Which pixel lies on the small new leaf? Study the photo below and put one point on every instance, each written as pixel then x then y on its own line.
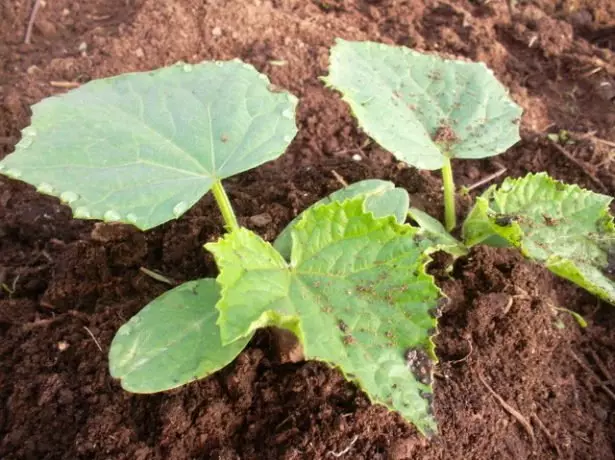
pixel 355 293
pixel 441 239
pixel 172 341
pixel 564 227
pixel 423 108
pixel 142 148
pixel 382 198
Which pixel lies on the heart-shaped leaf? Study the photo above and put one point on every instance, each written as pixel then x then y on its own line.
pixel 173 341
pixel 423 108
pixel 142 148
pixel 564 227
pixel 355 294
pixel 381 198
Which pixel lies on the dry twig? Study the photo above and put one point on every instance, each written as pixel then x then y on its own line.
pixel 346 450
pixel 547 433
pixel 579 164
pixel 602 367
pixel 591 372
pixel 27 38
pixel 93 338
pixel 339 178
pixel 508 408
pixel 487 179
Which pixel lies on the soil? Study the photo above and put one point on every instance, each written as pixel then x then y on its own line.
pixel 68 285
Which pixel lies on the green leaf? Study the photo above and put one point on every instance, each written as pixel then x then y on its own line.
pixel 381 198
pixel 564 227
pixel 142 148
pixel 435 231
pixel 355 294
pixel 172 341
pixel 423 108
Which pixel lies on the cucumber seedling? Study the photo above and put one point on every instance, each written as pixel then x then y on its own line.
pixel 347 277
pixel 427 111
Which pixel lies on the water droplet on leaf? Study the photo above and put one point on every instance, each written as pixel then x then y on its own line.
pixel 132 218
pixel 69 197
pixel 180 208
pixel 187 67
pixel 287 114
pixel 29 131
pixel 26 142
pixel 219 63
pixel 45 188
pixel 82 213
pixel 112 216
pixel 288 139
pixel 15 174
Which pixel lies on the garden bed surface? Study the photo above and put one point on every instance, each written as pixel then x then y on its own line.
pixel 68 285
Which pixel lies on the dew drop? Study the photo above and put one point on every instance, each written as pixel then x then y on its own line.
pixel 132 218
pixel 382 46
pixel 187 67
pixel 219 63
pixel 180 208
pixel 247 66
pixel 69 197
pixel 287 114
pixel 125 330
pixel 45 188
pixel 112 216
pixel 26 142
pixel 263 77
pixel 29 131
pixel 15 174
pixel 288 139
pixel 82 213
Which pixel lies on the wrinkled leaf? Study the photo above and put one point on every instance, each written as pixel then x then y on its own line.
pixel 355 294
pixel 564 227
pixel 142 148
pixel 423 108
pixel 381 197
pixel 435 231
pixel 172 341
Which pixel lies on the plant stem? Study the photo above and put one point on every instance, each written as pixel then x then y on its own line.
pixel 450 219
pixel 230 221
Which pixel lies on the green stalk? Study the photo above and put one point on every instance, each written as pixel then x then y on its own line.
pixel 230 221
pixel 450 219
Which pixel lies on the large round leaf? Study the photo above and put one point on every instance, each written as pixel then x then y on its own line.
pixel 142 148
pixel 423 108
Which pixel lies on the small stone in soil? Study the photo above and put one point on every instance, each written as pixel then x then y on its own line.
pixel 261 220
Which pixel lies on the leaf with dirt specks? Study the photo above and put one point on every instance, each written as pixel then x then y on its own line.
pixel 564 227
pixel 355 293
pixel 423 108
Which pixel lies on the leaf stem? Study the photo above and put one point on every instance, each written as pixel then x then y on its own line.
pixel 224 204
pixel 450 218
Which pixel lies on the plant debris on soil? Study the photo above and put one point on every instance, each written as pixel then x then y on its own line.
pixel 518 377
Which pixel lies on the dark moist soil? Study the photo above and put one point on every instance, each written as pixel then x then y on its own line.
pixel 68 285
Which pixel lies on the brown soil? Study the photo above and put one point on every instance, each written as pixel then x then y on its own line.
pixel 67 282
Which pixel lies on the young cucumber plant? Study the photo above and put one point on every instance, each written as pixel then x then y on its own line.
pixel 427 110
pixel 347 277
